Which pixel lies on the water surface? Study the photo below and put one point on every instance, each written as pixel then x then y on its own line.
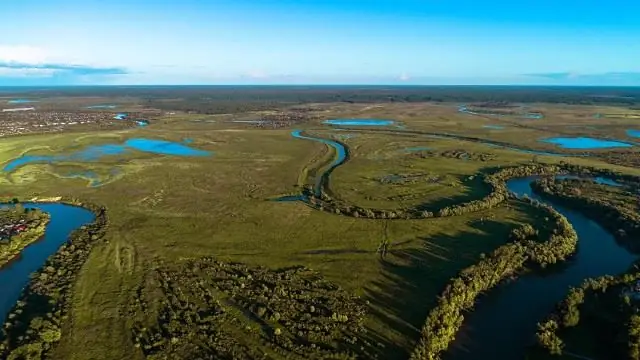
pixel 164 147
pixel 493 127
pixel 97 152
pixel 341 156
pixel 503 323
pixel 15 275
pixel 102 107
pixel 21 101
pixel 633 133
pixel 585 143
pixel 359 122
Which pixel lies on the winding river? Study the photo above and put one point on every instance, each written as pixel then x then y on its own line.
pixel 64 219
pixel 340 158
pixel 503 323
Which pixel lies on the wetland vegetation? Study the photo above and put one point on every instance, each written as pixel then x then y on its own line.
pixel 401 242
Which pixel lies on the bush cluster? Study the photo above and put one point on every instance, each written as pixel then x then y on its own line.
pixel 207 304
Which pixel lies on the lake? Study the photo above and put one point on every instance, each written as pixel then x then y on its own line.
pixel 96 152
pixel 493 127
pixel 359 122
pixel 585 143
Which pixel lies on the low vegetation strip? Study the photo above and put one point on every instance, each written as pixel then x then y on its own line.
pixel 19 227
pixel 33 327
pixel 460 295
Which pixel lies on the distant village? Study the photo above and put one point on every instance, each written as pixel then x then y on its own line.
pixel 25 120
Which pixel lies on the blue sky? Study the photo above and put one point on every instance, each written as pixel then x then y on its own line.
pixel 543 42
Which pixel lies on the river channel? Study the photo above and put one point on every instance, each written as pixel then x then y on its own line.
pixel 14 276
pixel 503 323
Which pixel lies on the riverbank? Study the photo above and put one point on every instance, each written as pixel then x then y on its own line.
pixel 34 324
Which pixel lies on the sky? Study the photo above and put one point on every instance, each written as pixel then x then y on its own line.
pixel 403 42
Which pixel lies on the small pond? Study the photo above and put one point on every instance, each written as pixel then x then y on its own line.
pixel 15 275
pixel 102 107
pixel 633 133
pixel 95 152
pixel 121 116
pixel 417 148
pixel 21 101
pixel 585 143
pixel 493 127
pixel 359 122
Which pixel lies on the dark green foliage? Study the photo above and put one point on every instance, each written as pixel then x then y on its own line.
pixel 290 311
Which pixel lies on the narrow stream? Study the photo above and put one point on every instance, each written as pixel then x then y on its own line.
pixel 64 219
pixel 504 322
pixel 339 159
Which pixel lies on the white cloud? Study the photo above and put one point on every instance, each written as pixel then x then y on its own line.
pixel 404 77
pixel 26 72
pixel 22 54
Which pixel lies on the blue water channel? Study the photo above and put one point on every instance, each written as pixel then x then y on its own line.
pixel 16 274
pixel 503 323
pixel 96 152
pixel 341 156
pixel 585 143
pixel 493 127
pixel 359 122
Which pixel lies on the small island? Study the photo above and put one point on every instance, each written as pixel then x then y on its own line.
pixel 19 227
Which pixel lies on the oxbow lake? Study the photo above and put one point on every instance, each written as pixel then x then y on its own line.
pixel 359 122
pixel 96 152
pixel 585 143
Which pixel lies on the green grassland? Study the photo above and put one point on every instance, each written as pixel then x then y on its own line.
pixel 169 209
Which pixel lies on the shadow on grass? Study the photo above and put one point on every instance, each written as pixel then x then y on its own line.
pixel 476 190
pixel 413 280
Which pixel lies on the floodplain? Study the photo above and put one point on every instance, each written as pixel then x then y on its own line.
pixel 354 272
